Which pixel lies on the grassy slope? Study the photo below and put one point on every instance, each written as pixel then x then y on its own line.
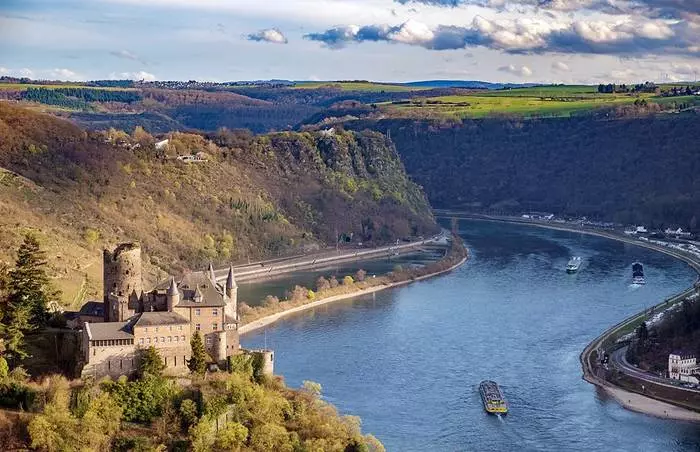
pixel 560 101
pixel 262 196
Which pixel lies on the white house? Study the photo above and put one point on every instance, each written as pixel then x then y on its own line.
pixel 677 233
pixel 683 366
pixel 162 144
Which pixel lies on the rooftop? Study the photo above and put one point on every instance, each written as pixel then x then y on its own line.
pixel 196 283
pixel 109 330
pixel 159 318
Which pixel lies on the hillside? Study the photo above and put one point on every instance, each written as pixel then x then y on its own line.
pixel 630 170
pixel 253 197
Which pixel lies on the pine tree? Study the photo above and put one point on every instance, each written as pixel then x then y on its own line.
pixel 28 294
pixel 151 363
pixel 29 284
pixel 198 362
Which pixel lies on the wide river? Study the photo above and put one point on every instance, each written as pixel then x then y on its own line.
pixel 408 360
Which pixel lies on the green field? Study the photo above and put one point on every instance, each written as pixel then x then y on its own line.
pixel 525 104
pixel 358 86
pixel 552 90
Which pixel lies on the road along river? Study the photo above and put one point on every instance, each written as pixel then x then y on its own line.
pixel 408 360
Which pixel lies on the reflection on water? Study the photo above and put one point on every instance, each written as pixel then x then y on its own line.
pixel 408 361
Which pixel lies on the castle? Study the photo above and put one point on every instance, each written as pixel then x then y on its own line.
pixel 165 317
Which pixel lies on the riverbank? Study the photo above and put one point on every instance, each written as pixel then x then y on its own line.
pixel 631 400
pixel 272 318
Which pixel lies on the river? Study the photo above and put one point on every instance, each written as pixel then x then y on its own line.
pixel 408 360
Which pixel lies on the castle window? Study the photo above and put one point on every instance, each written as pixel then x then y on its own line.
pixel 175 358
pixel 162 339
pixel 145 330
pixel 177 338
pixel 197 311
pixel 214 311
pixel 155 339
pixel 156 329
pixel 180 328
pixel 171 328
pixel 141 341
pixel 208 341
pixel 170 338
pixel 148 341
pixel 183 338
pixel 214 326
pixel 198 327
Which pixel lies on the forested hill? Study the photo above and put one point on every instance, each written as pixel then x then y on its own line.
pixel 629 170
pixel 253 197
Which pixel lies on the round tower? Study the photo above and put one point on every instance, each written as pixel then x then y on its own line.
pixel 220 350
pixel 172 296
pixel 268 361
pixel 122 279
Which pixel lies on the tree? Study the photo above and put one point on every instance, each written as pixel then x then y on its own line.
pixel 150 362
pixel 29 283
pixel 322 284
pixel 347 281
pixel 188 412
pixel 198 362
pixel 232 436
pixel 360 275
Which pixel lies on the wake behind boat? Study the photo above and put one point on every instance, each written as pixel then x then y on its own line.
pixel 638 274
pixel 492 397
pixel 573 265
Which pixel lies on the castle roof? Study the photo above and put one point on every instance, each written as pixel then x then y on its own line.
pixel 159 318
pixel 172 289
pixel 199 283
pixel 109 330
pixel 93 308
pixel 230 279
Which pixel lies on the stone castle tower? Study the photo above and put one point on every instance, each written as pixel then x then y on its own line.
pixel 123 287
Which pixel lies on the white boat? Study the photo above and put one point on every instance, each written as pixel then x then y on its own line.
pixel 573 265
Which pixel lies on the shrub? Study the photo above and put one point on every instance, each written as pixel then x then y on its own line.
pixel 360 275
pixel 347 281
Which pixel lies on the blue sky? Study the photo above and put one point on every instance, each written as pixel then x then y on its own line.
pixel 571 41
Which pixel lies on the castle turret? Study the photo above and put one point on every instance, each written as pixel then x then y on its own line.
pixel 212 275
pixel 122 281
pixel 173 295
pixel 231 291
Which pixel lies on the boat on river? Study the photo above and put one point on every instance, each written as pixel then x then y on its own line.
pixel 573 265
pixel 492 397
pixel 638 274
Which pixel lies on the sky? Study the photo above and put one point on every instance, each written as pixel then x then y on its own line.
pixel 547 41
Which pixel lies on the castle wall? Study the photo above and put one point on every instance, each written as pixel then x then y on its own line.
pixel 110 360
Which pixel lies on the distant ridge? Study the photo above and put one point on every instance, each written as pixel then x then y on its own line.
pixel 473 84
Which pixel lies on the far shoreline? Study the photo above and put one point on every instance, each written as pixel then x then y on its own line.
pixel 273 318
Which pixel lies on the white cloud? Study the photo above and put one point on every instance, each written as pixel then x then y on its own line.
pixel 272 35
pixel 412 32
pixel 520 71
pixel 138 76
pixel 560 66
pixel 26 72
pixel 63 74
pixel 4 71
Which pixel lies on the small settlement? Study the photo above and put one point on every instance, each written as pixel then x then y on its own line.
pixel 683 366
